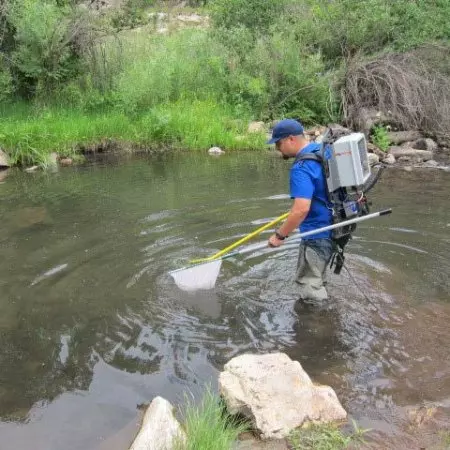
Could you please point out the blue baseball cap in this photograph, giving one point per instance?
(285, 128)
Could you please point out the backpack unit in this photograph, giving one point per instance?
(346, 168)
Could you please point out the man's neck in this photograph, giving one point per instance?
(302, 146)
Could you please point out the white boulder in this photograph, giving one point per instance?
(276, 394)
(390, 159)
(215, 151)
(373, 159)
(160, 430)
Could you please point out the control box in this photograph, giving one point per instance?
(348, 164)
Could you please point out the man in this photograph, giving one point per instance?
(309, 211)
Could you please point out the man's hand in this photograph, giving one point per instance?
(274, 241)
(299, 211)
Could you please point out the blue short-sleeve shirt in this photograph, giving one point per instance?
(307, 181)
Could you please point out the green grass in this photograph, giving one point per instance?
(326, 437)
(29, 136)
(208, 426)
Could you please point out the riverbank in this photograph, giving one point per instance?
(29, 136)
(64, 137)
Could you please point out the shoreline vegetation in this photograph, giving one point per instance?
(74, 78)
(208, 426)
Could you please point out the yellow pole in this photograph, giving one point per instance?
(241, 241)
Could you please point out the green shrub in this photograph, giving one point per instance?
(43, 42)
(132, 14)
(277, 78)
(6, 83)
(257, 15)
(41, 54)
(380, 138)
(341, 29)
(185, 65)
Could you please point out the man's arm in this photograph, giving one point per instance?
(299, 211)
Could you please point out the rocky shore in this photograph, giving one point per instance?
(272, 392)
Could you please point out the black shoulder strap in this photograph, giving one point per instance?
(309, 156)
(315, 156)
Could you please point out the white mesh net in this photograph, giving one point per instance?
(201, 276)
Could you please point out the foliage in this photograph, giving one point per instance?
(6, 82)
(253, 14)
(380, 138)
(45, 41)
(208, 426)
(279, 79)
(185, 65)
(326, 437)
(344, 28)
(132, 14)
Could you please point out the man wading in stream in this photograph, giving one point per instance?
(309, 211)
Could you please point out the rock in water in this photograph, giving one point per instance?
(215, 151)
(160, 429)
(276, 394)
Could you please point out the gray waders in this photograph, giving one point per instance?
(313, 258)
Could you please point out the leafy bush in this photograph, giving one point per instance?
(41, 54)
(344, 28)
(185, 65)
(253, 14)
(43, 41)
(6, 83)
(380, 138)
(277, 78)
(132, 14)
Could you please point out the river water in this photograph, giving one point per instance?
(91, 324)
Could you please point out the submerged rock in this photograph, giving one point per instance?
(66, 161)
(31, 169)
(215, 151)
(276, 394)
(160, 430)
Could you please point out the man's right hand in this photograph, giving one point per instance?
(274, 241)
